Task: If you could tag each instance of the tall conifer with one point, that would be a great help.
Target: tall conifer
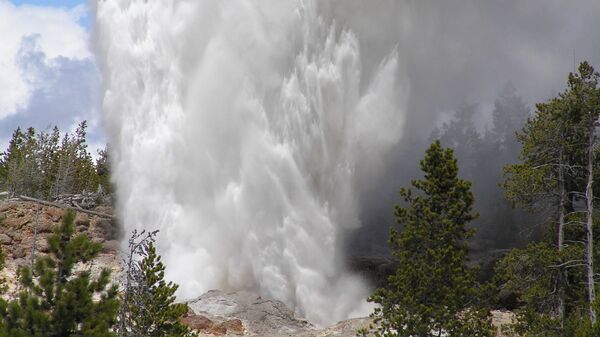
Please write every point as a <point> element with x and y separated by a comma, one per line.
<point>434,292</point>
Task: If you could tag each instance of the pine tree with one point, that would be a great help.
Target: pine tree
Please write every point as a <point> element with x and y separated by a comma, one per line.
<point>49,146</point>
<point>9,158</point>
<point>150,309</point>
<point>584,108</point>
<point>543,182</point>
<point>85,172</point>
<point>508,116</point>
<point>103,171</point>
<point>12,160</point>
<point>58,302</point>
<point>433,292</point>
<point>557,174</point>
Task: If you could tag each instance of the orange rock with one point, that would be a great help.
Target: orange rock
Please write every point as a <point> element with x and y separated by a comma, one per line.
<point>204,325</point>
<point>55,213</point>
<point>197,322</point>
<point>217,330</point>
<point>82,219</point>
<point>16,223</point>
<point>46,226</point>
<point>234,327</point>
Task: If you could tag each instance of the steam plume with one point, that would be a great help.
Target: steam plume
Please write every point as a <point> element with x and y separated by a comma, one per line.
<point>236,128</point>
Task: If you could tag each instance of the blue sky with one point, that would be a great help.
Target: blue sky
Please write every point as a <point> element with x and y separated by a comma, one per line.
<point>86,22</point>
<point>57,3</point>
<point>49,72</point>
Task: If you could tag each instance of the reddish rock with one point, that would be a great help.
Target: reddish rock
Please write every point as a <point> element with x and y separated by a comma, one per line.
<point>55,213</point>
<point>204,325</point>
<point>6,206</point>
<point>42,246</point>
<point>198,322</point>
<point>22,263</point>
<point>233,327</point>
<point>17,237</point>
<point>16,222</point>
<point>24,222</point>
<point>217,330</point>
<point>82,219</point>
<point>19,252</point>
<point>5,239</point>
<point>45,226</point>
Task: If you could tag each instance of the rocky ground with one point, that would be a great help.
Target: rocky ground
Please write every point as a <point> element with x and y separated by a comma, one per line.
<point>23,224</point>
<point>214,313</point>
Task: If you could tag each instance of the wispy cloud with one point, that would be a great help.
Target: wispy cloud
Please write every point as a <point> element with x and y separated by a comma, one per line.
<point>49,75</point>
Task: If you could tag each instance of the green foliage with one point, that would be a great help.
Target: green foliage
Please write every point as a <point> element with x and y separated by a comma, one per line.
<point>103,171</point>
<point>151,308</point>
<point>533,273</point>
<point>44,165</point>
<point>58,302</point>
<point>550,277</point>
<point>532,184</point>
<point>481,154</point>
<point>433,290</point>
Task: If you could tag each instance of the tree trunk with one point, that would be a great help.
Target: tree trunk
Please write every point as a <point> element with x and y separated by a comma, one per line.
<point>57,205</point>
<point>589,195</point>
<point>561,242</point>
<point>123,326</point>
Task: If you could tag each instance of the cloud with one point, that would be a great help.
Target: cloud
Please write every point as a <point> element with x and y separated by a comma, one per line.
<point>49,74</point>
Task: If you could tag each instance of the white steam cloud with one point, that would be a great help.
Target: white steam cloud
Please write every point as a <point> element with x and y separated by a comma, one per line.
<point>236,129</point>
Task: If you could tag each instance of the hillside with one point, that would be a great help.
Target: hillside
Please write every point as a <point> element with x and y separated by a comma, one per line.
<point>18,222</point>
<point>215,313</point>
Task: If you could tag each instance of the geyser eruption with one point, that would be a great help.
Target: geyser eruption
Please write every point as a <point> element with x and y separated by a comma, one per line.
<point>237,128</point>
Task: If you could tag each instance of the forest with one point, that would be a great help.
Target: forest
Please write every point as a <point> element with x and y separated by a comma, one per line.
<point>47,164</point>
<point>547,185</point>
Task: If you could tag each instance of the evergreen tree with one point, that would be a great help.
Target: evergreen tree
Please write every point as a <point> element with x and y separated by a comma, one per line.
<point>482,155</point>
<point>12,160</point>
<point>584,108</point>
<point>103,171</point>
<point>85,178</point>
<point>508,116</point>
<point>56,301</point>
<point>434,292</point>
<point>49,150</point>
<point>542,183</point>
<point>556,174</point>
<point>150,309</point>
<point>44,166</point>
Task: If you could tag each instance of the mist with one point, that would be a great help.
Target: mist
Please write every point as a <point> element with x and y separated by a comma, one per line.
<point>263,138</point>
<point>237,134</point>
<point>457,54</point>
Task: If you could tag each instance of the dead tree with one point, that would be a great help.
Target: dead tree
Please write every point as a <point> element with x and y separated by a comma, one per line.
<point>138,243</point>
<point>589,251</point>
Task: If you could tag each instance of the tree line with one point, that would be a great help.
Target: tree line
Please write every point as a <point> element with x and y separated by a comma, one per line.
<point>434,291</point>
<point>47,164</point>
<point>482,153</point>
<point>58,300</point>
